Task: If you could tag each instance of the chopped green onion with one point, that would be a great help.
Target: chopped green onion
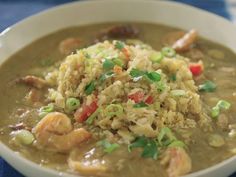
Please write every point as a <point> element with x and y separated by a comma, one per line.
<point>153,76</point>
<point>165,132</point>
<point>105,76</point>
<point>48,108</point>
<point>119,45</point>
<point>223,104</point>
<point>178,92</point>
<point>43,111</point>
<point>118,62</point>
<point>108,64</point>
<point>140,105</point>
<point>168,52</point>
<point>215,111</point>
<point>208,86</point>
<point>108,147</point>
<point>24,137</point>
<point>156,57</point>
<point>173,77</point>
<point>91,118</point>
<point>177,143</point>
<point>72,104</point>
<point>90,88</point>
<point>114,110</point>
<point>136,73</point>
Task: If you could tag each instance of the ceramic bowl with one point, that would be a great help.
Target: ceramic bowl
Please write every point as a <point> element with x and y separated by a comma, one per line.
<point>174,14</point>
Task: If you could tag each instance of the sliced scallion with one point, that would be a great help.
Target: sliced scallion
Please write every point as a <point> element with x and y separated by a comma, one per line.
<point>153,76</point>
<point>136,73</point>
<point>24,137</point>
<point>156,57</point>
<point>43,111</point>
<point>208,86</point>
<point>221,105</point>
<point>72,104</point>
<point>215,111</point>
<point>168,52</point>
<point>114,110</point>
<point>177,143</point>
<point>165,133</point>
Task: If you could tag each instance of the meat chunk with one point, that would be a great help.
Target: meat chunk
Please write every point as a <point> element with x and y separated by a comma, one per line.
<point>33,96</point>
<point>184,43</point>
<point>67,46</point>
<point>119,31</point>
<point>178,162</point>
<point>19,126</point>
<point>33,81</point>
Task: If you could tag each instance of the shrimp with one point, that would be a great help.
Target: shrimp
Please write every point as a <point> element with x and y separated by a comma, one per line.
<point>178,162</point>
<point>33,81</point>
<point>94,167</point>
<point>55,132</point>
<point>87,163</point>
<point>186,41</point>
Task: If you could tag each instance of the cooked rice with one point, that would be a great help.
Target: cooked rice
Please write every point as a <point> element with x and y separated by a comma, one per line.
<point>77,71</point>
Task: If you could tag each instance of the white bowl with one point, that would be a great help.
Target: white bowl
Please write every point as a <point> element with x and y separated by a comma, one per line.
<point>79,13</point>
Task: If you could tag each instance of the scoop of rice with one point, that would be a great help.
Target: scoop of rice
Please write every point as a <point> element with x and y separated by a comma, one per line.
<point>175,101</point>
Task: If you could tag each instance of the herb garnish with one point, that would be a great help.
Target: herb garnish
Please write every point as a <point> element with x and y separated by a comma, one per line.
<point>140,105</point>
<point>90,88</point>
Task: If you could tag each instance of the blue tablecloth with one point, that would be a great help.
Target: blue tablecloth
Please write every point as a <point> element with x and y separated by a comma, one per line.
<point>12,11</point>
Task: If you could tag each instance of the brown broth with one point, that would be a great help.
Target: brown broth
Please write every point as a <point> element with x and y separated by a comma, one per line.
<point>28,60</point>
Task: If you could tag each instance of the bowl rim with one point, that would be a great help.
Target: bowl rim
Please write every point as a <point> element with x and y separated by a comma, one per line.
<point>16,155</point>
